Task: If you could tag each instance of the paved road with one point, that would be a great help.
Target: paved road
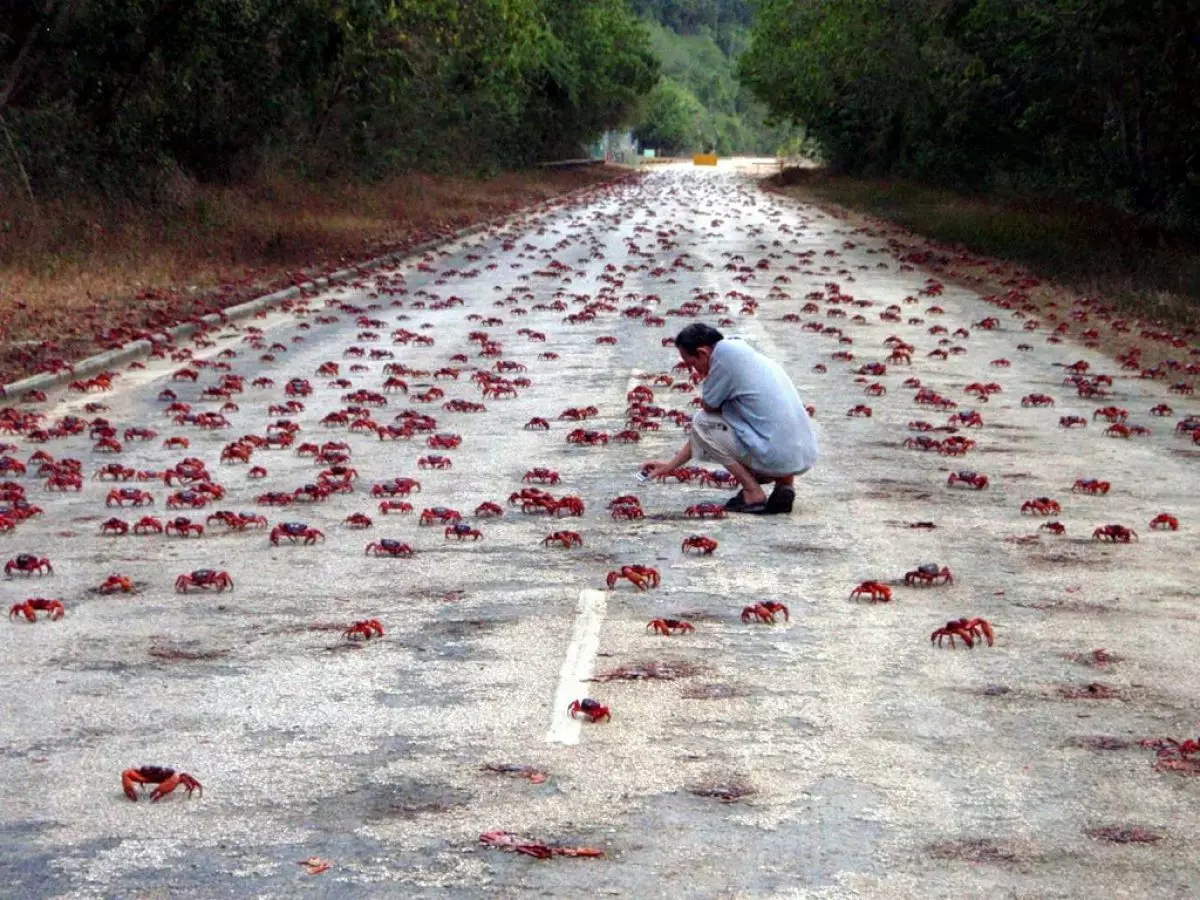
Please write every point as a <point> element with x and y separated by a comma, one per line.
<point>870,762</point>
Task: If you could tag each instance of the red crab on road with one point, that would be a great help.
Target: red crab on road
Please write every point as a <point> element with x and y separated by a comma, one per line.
<point>970,479</point>
<point>1037,400</point>
<point>28,564</point>
<point>541,475</point>
<point>765,612</point>
<point>861,411</point>
<point>705,546</point>
<point>641,576</point>
<point>566,539</point>
<point>928,575</point>
<point>1116,534</point>
<point>132,496</point>
<point>1090,486</point>
<point>114,526</point>
<point>1164,522</point>
<point>204,579</point>
<point>358,520</point>
<point>30,608</point>
<point>1041,506</point>
<point>389,547</point>
<point>435,462</point>
<point>117,583</point>
<point>365,630</point>
<point>439,515</point>
<point>537,424</point>
<point>1053,527</point>
<point>294,532</point>
<point>182,526</point>
<point>667,627</point>
<point>489,510</point>
<point>147,523</point>
<point>875,591</point>
<point>968,630</point>
<point>1072,422</point>
<point>590,709</point>
<point>462,531</point>
<point>166,779</point>
<point>705,511</point>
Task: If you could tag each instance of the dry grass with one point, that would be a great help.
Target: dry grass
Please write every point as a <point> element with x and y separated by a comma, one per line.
<point>70,269</point>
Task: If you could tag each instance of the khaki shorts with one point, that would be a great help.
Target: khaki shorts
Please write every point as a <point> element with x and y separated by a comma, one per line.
<point>714,441</point>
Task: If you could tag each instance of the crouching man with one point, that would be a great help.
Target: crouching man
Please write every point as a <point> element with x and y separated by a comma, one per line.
<point>752,421</point>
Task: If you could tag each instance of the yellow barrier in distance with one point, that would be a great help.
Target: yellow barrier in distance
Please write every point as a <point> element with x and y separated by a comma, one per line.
<point>704,159</point>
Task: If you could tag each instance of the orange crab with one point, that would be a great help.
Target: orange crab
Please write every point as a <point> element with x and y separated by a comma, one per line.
<point>30,608</point>
<point>166,779</point>
<point>967,630</point>
<point>875,591</point>
<point>765,612</point>
<point>641,576</point>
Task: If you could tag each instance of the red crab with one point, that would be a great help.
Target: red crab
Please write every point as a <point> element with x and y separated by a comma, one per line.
<point>28,564</point>
<point>117,583</point>
<point>968,630</point>
<point>391,506</point>
<point>132,496</point>
<point>1090,486</point>
<point>294,532</point>
<point>388,547</point>
<point>114,526</point>
<point>667,627</point>
<point>30,608</point>
<point>489,510</point>
<point>641,576</point>
<point>765,612</point>
<point>462,531</point>
<point>358,520</point>
<point>1037,400</point>
<point>147,523</point>
<point>1072,422</point>
<point>705,511</point>
<point>541,475</point>
<point>1164,522</point>
<point>439,515</point>
<point>183,526</point>
<point>928,575</point>
<point>875,591</point>
<point>590,709</point>
<point>365,630</point>
<point>861,411</point>
<point>1117,534</point>
<point>1041,506</point>
<point>204,579</point>
<point>537,424</point>
<point>435,462</point>
<point>1053,527</point>
<point>970,479</point>
<point>443,441</point>
<point>566,539</point>
<point>166,779</point>
<point>704,545</point>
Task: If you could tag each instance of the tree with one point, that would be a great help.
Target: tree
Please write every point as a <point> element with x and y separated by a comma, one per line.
<point>670,119</point>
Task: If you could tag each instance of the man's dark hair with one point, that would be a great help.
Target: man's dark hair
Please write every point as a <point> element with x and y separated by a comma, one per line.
<point>697,335</point>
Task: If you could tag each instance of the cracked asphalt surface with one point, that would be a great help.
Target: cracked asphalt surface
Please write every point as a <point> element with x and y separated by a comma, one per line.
<point>836,754</point>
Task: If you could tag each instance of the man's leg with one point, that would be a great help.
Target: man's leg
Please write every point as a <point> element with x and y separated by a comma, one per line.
<point>713,440</point>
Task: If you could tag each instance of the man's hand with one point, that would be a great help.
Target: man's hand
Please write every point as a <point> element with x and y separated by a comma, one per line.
<point>656,467</point>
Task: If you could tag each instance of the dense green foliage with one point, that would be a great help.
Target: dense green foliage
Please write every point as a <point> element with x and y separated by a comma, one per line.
<point>109,91</point>
<point>1097,99</point>
<point>698,43</point>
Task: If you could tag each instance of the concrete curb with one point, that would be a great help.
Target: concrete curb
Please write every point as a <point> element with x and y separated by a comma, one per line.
<point>83,368</point>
